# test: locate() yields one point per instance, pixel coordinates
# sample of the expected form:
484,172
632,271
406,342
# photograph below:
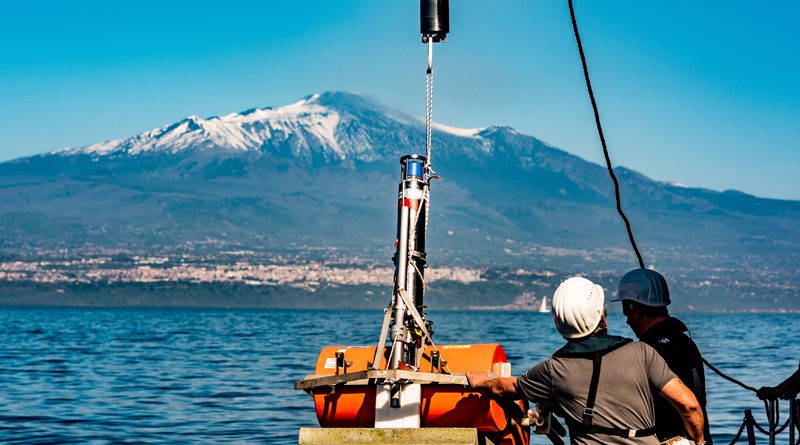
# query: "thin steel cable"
602,137
429,103
428,130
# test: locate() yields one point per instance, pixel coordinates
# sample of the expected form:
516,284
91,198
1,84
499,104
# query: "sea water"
84,375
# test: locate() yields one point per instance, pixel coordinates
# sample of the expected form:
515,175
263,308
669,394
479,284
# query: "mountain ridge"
286,166
213,130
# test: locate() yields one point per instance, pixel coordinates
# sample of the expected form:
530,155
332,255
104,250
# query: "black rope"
783,428
761,428
774,408
726,377
602,138
739,433
771,408
771,415
796,415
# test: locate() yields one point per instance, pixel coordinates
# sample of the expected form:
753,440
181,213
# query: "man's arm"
686,403
498,387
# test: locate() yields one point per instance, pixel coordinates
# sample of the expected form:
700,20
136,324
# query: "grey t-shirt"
629,379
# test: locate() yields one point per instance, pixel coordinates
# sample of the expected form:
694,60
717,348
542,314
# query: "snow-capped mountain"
323,170
330,124
322,123
307,122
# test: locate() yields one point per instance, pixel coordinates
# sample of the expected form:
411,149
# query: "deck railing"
774,427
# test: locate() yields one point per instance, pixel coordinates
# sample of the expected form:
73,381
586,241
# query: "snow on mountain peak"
100,148
456,131
320,122
306,120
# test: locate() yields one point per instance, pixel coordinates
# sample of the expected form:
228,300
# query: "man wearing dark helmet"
645,296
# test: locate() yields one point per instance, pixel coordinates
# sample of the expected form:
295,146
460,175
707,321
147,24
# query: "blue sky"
701,93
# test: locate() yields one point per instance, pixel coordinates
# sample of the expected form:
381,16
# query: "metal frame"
374,376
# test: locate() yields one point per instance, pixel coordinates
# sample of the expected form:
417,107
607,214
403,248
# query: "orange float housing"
442,405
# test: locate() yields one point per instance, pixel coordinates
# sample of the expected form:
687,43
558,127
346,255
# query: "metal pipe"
748,419
398,332
792,419
773,421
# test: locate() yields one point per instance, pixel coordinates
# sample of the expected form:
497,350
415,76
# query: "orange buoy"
441,405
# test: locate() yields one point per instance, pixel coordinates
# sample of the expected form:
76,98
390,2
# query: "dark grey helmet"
644,286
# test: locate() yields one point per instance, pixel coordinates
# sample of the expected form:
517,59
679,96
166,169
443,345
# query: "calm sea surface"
225,376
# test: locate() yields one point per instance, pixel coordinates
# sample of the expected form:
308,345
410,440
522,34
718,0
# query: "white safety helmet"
577,307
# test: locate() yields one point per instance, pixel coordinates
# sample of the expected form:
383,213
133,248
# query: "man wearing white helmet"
645,296
603,385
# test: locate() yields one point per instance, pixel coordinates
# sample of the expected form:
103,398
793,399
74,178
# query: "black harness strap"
588,412
621,432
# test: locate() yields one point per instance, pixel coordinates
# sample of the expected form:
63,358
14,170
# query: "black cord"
796,415
783,428
772,415
726,377
739,433
602,138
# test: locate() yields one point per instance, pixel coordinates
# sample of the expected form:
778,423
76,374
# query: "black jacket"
668,338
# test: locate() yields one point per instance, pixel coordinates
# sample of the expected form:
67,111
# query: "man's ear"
632,309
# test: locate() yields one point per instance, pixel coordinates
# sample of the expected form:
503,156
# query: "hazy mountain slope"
324,170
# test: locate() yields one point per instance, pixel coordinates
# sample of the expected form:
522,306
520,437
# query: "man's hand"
498,387
477,379
768,393
786,390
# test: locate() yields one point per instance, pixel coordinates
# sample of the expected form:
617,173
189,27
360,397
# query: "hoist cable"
429,104
602,137
428,129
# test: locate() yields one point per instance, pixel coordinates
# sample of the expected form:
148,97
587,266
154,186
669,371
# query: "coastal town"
517,281
308,275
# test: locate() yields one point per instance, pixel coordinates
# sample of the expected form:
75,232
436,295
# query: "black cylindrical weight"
434,17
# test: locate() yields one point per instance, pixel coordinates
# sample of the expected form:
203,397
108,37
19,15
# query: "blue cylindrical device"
412,166
416,168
